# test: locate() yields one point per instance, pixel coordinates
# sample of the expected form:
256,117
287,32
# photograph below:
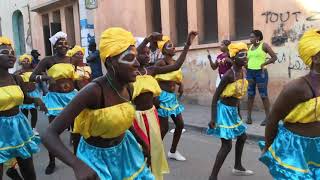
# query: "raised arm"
153,37
177,65
214,65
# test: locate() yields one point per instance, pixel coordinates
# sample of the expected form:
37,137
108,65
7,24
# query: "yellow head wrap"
163,42
25,56
5,41
234,48
74,50
114,41
309,45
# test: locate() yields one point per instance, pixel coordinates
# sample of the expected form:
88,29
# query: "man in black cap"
35,57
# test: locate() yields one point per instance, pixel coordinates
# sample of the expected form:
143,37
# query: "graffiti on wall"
315,16
284,34
288,56
281,36
288,29
274,17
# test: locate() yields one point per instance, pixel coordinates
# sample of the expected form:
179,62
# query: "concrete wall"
7,9
282,23
36,16
128,14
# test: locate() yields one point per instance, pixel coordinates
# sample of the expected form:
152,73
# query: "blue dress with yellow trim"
169,104
16,136
124,161
292,156
228,123
56,101
35,93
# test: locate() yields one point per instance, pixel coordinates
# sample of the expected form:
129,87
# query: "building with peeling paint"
282,23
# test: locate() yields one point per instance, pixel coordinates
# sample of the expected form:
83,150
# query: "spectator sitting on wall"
94,60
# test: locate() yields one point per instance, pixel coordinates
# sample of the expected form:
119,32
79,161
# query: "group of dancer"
118,121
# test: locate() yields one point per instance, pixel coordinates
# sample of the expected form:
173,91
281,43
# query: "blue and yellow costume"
228,123
56,101
35,93
147,125
292,156
169,104
124,161
16,136
83,73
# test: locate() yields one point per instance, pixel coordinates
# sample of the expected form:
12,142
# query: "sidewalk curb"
202,130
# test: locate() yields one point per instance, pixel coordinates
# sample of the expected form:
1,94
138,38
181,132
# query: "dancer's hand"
212,124
262,66
209,56
191,37
84,172
154,37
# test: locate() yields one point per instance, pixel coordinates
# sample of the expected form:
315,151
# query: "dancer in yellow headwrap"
292,150
33,91
226,122
146,88
102,113
167,103
17,140
83,73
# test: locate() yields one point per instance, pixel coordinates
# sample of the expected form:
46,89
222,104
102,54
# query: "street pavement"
199,149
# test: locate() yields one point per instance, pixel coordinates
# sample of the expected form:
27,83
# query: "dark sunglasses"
242,55
169,46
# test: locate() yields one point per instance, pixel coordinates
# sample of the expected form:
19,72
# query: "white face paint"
121,58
